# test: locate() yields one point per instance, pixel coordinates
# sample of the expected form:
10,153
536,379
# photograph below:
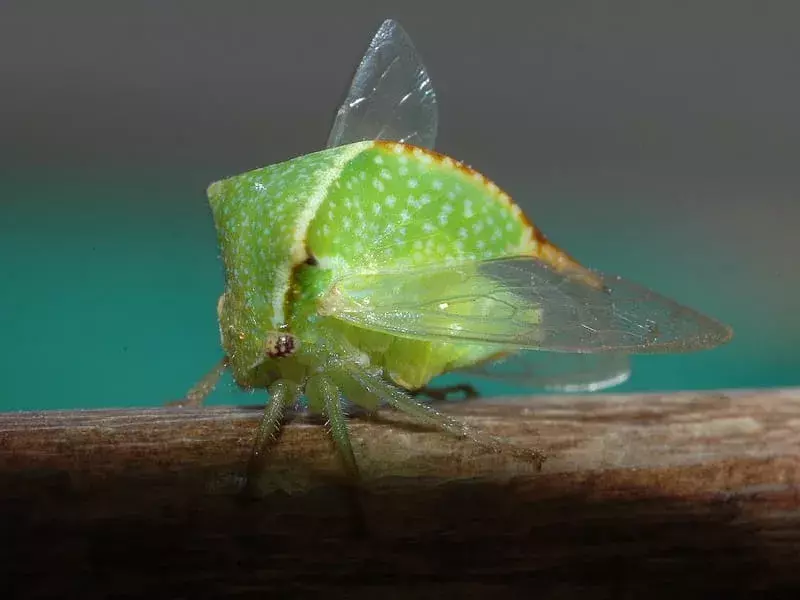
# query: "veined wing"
521,303
556,371
391,96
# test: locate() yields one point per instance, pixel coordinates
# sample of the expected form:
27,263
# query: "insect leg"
324,394
403,402
282,394
201,390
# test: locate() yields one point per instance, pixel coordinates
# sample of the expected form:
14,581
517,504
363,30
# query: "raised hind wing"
391,96
520,303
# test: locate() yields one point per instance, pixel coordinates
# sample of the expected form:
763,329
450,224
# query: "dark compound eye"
281,345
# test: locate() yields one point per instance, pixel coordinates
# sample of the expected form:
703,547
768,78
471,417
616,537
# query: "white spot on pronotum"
376,209
468,212
436,184
385,174
412,183
378,160
390,201
428,228
377,184
404,216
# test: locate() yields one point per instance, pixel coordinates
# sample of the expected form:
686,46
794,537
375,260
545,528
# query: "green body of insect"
363,271
288,231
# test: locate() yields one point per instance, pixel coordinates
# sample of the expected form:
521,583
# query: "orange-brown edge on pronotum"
545,250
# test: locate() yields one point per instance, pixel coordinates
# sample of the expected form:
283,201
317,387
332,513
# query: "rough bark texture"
696,495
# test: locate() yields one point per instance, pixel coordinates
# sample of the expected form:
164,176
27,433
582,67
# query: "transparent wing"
521,303
391,96
557,371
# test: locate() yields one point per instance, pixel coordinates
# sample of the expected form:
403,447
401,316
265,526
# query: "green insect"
357,274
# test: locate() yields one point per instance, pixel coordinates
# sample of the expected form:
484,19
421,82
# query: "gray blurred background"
654,140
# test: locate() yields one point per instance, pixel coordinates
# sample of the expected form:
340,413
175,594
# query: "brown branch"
696,494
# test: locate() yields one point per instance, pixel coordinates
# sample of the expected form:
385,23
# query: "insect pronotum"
363,271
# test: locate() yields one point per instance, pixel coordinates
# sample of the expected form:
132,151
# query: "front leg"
196,396
282,394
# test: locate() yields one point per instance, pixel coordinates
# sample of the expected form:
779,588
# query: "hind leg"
442,394
402,401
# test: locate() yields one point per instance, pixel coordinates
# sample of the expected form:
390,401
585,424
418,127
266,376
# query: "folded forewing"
520,303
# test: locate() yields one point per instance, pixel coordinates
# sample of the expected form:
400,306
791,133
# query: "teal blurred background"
657,143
